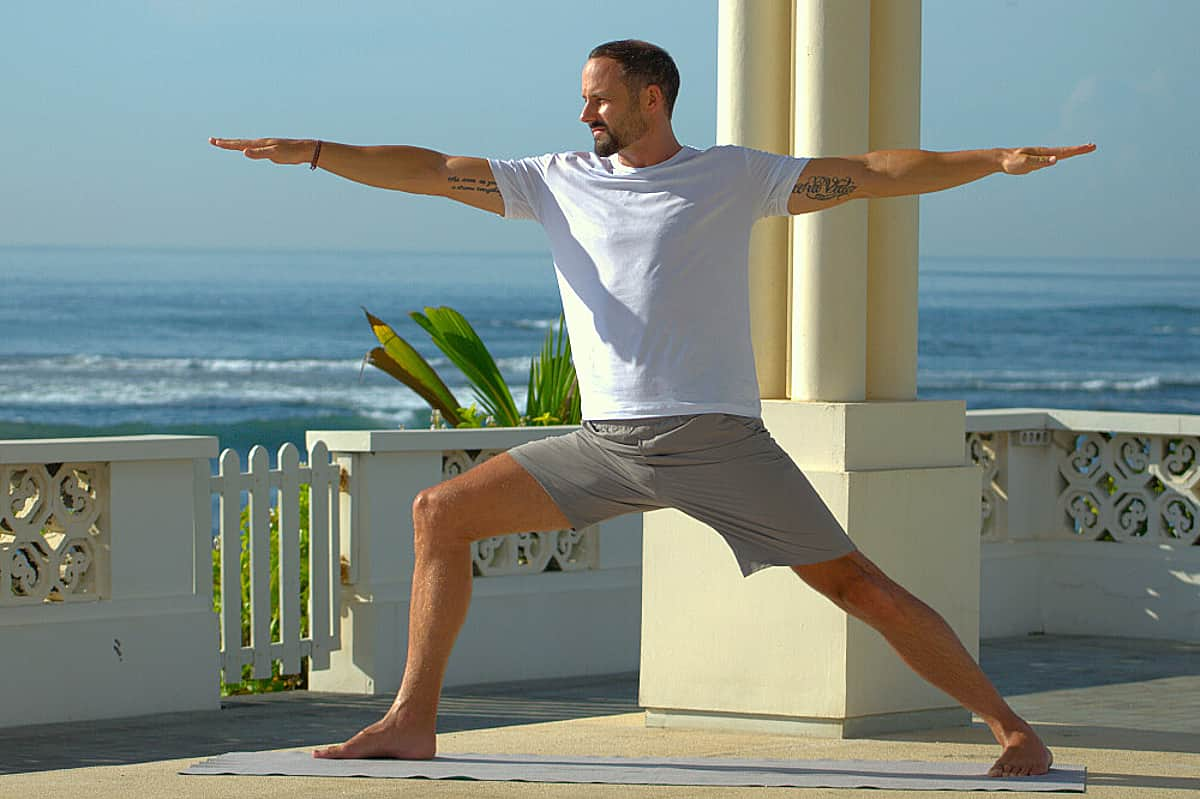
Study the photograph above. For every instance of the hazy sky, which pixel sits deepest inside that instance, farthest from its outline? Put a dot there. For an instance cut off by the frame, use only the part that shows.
(106, 108)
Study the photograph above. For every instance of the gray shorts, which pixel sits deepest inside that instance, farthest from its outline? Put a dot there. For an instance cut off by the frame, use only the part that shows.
(726, 471)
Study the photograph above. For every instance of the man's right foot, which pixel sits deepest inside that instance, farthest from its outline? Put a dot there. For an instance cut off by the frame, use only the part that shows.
(1024, 754)
(383, 739)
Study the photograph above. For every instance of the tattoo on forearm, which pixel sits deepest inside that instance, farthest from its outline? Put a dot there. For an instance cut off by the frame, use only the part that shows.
(820, 187)
(472, 184)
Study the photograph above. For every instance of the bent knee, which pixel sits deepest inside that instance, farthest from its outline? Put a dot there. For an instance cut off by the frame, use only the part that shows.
(433, 515)
(857, 586)
(872, 597)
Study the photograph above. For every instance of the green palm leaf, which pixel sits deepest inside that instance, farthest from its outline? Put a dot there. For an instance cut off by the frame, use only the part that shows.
(398, 358)
(553, 387)
(453, 335)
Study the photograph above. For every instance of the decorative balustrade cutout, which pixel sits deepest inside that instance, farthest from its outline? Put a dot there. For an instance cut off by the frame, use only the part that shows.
(1127, 487)
(53, 533)
(524, 553)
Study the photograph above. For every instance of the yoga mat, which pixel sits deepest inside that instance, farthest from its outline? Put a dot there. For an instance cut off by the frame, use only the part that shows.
(895, 774)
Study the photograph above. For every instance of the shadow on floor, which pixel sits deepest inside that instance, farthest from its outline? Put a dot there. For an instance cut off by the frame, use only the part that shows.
(296, 719)
(1066, 736)
(1098, 778)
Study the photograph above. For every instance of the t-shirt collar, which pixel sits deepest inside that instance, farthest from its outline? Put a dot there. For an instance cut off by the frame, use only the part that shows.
(620, 169)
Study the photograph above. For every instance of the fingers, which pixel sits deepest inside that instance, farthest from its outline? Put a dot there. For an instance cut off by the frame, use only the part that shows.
(240, 144)
(1030, 159)
(1059, 152)
(251, 148)
(279, 151)
(263, 151)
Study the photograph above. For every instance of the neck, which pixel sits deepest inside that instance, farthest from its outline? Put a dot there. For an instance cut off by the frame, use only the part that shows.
(649, 150)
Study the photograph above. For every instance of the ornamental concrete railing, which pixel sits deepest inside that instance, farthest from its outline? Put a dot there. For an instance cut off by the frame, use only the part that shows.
(106, 578)
(106, 573)
(1090, 522)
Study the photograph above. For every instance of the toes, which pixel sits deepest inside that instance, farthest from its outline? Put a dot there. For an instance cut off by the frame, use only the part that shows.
(328, 751)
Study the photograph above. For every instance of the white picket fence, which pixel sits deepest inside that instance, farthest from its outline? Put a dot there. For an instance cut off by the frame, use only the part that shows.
(266, 488)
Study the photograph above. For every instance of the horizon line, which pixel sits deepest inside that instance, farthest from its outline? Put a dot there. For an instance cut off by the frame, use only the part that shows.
(501, 252)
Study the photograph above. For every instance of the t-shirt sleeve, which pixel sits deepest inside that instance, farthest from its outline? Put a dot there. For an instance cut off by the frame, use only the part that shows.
(773, 177)
(522, 185)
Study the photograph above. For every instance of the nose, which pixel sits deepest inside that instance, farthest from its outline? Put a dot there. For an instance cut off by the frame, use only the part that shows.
(588, 115)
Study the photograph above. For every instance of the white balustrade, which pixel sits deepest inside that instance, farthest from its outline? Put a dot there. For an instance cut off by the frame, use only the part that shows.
(1090, 522)
(105, 578)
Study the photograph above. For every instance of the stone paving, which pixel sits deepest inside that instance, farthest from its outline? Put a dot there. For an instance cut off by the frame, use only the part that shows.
(1129, 709)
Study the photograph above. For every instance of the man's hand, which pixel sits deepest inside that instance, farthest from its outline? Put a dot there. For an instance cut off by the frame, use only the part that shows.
(277, 151)
(1024, 160)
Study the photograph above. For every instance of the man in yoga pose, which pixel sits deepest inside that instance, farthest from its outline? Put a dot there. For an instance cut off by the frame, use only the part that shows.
(650, 241)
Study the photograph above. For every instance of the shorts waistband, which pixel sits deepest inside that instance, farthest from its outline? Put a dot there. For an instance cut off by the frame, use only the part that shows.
(638, 428)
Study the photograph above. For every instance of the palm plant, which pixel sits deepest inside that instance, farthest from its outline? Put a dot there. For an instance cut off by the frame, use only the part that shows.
(553, 396)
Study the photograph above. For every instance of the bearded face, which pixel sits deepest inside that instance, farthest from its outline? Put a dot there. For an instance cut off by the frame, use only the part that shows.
(614, 134)
(612, 108)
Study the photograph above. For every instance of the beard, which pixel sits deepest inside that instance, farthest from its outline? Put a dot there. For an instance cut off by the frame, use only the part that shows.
(623, 132)
(607, 144)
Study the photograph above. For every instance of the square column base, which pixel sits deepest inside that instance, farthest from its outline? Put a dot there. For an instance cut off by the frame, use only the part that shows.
(768, 652)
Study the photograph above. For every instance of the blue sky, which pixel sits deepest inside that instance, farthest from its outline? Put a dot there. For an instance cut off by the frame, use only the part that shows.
(107, 107)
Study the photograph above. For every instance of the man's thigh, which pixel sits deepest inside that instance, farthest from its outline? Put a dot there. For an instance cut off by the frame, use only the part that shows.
(495, 498)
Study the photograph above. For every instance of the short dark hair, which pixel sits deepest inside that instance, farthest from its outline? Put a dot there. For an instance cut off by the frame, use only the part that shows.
(643, 64)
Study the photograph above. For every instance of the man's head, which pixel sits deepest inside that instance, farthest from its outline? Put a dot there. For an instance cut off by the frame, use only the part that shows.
(629, 88)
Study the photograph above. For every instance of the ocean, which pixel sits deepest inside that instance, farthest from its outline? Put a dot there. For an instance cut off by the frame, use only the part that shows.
(256, 347)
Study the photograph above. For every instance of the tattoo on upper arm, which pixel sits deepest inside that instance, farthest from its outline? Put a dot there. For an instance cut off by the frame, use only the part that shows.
(472, 184)
(820, 187)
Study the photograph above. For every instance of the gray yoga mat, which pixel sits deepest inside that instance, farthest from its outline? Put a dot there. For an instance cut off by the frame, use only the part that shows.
(897, 774)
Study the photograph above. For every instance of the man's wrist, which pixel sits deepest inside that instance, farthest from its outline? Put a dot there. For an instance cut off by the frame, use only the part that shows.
(997, 159)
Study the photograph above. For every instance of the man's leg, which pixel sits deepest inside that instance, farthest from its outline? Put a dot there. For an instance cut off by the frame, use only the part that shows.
(494, 498)
(927, 644)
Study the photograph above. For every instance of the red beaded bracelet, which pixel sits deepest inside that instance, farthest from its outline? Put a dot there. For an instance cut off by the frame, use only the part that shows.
(316, 155)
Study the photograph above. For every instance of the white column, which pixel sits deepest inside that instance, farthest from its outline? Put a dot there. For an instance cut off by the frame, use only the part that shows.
(767, 653)
(754, 108)
(829, 249)
(893, 224)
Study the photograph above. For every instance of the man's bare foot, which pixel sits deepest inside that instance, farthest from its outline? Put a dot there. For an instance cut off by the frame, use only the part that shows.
(1024, 754)
(384, 739)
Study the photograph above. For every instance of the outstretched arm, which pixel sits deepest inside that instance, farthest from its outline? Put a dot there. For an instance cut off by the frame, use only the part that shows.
(409, 169)
(826, 182)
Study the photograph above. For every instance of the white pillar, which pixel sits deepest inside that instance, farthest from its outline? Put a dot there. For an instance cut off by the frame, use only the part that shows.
(754, 106)
(768, 653)
(829, 249)
(893, 223)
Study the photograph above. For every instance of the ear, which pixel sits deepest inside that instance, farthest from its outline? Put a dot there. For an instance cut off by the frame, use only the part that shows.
(653, 99)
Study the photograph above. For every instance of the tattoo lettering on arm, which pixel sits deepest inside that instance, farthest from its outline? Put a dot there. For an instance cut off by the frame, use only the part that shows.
(820, 187)
(472, 184)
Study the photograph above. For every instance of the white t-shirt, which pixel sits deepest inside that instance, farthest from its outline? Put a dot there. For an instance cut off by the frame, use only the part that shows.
(653, 267)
